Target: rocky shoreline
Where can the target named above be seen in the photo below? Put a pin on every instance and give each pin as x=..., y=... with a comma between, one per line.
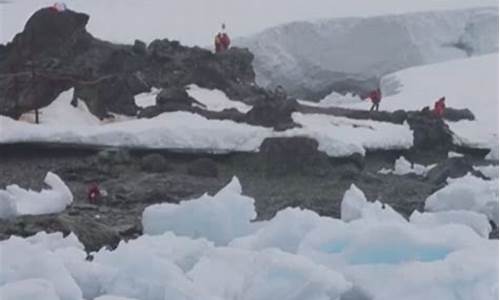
x=136, y=179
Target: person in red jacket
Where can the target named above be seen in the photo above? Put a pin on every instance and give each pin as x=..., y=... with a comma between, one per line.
x=439, y=107
x=93, y=193
x=375, y=96
x=222, y=41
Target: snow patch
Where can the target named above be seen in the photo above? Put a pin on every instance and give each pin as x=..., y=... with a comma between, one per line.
x=216, y=100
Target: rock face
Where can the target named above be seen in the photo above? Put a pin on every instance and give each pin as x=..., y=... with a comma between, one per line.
x=203, y=167
x=93, y=234
x=429, y=132
x=55, y=53
x=298, y=155
x=271, y=110
x=454, y=167
x=154, y=163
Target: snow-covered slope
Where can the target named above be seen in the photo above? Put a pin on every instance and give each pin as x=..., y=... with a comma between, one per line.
x=466, y=83
x=64, y=124
x=308, y=57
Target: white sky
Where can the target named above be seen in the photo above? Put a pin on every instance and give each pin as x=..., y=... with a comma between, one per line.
x=195, y=21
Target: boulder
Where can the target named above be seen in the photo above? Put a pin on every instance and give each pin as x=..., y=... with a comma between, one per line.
x=297, y=155
x=108, y=94
x=93, y=234
x=454, y=167
x=429, y=132
x=154, y=163
x=203, y=167
x=270, y=111
x=175, y=96
x=140, y=47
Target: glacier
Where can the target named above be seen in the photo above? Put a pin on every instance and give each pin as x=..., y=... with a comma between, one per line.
x=310, y=59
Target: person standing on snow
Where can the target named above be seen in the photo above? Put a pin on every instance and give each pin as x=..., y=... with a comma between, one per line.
x=222, y=41
x=439, y=107
x=375, y=96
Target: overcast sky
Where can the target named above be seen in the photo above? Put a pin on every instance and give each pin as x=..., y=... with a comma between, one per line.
x=195, y=21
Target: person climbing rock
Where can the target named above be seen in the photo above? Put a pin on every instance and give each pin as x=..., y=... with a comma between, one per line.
x=222, y=41
x=375, y=96
x=439, y=107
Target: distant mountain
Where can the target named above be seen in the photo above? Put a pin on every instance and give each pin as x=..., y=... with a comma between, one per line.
x=310, y=59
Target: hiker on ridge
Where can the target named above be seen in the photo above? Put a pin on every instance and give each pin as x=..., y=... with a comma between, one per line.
x=222, y=40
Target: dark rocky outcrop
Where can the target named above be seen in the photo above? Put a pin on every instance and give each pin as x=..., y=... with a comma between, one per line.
x=397, y=117
x=269, y=110
x=93, y=234
x=203, y=167
x=154, y=163
x=454, y=167
x=298, y=155
x=55, y=52
x=429, y=132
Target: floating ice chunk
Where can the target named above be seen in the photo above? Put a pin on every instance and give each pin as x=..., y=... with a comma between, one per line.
x=467, y=193
x=111, y=297
x=352, y=204
x=271, y=274
x=29, y=289
x=29, y=202
x=219, y=219
x=355, y=206
x=21, y=260
x=478, y=222
x=285, y=231
x=54, y=241
x=403, y=167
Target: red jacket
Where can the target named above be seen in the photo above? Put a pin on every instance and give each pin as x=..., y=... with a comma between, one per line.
x=93, y=193
x=222, y=42
x=375, y=96
x=439, y=107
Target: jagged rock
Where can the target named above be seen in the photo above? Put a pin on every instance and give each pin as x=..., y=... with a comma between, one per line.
x=154, y=163
x=21, y=93
x=49, y=34
x=296, y=155
x=175, y=96
x=269, y=111
x=203, y=167
x=107, y=76
x=454, y=167
x=110, y=94
x=140, y=47
x=113, y=156
x=429, y=132
x=454, y=115
x=93, y=234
